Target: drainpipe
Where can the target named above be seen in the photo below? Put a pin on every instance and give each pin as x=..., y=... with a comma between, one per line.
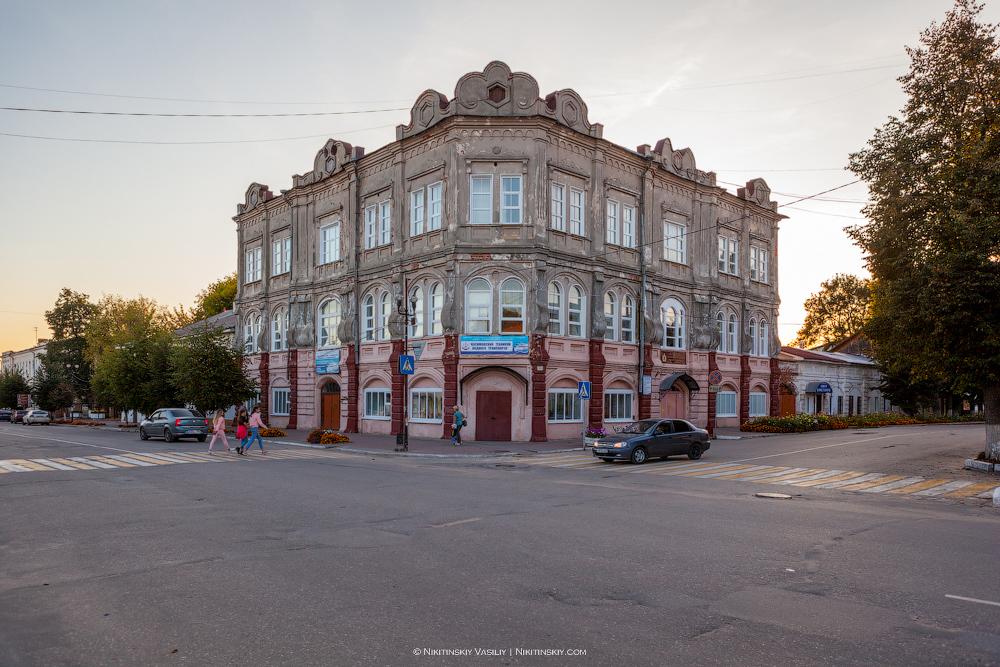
x=357, y=277
x=642, y=272
x=291, y=241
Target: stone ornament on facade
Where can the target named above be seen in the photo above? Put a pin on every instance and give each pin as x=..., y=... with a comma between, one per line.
x=256, y=195
x=330, y=159
x=758, y=192
x=303, y=333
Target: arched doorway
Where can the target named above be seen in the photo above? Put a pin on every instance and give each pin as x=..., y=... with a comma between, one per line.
x=786, y=395
x=673, y=397
x=330, y=406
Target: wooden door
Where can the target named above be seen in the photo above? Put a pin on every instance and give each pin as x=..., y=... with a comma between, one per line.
x=787, y=408
x=493, y=416
x=672, y=405
x=330, y=407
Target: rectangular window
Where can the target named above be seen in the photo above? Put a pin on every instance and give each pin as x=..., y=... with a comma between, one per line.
x=329, y=243
x=378, y=404
x=733, y=254
x=433, y=207
x=758, y=404
x=758, y=264
x=385, y=222
x=753, y=262
x=481, y=212
x=723, y=253
x=437, y=303
x=574, y=306
x=371, y=235
x=840, y=405
x=612, y=222
x=627, y=321
x=565, y=405
x=253, y=266
x=674, y=243
x=628, y=226
x=281, y=259
x=417, y=212
x=859, y=405
x=510, y=210
x=559, y=207
x=280, y=401
x=576, y=212
x=728, y=253
x=617, y=405
x=427, y=406
x=725, y=404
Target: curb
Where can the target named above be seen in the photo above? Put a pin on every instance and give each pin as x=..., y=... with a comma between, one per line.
x=982, y=466
x=383, y=452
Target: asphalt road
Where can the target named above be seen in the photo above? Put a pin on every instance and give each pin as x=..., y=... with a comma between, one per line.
x=323, y=558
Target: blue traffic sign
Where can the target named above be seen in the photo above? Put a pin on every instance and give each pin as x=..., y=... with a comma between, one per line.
x=584, y=390
x=406, y=364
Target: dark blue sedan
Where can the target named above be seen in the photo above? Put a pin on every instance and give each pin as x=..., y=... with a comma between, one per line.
x=653, y=438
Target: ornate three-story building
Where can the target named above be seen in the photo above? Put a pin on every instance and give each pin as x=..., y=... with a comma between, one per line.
x=516, y=254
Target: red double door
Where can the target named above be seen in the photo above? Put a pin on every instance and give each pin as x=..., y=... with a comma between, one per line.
x=493, y=415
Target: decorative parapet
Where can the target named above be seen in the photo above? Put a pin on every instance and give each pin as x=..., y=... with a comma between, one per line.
x=256, y=195
x=499, y=92
x=680, y=162
x=758, y=192
x=330, y=159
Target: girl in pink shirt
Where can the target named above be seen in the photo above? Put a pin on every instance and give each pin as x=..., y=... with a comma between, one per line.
x=219, y=430
x=256, y=423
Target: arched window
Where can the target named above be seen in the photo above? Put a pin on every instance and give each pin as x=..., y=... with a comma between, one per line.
x=733, y=338
x=555, y=309
x=672, y=317
x=628, y=321
x=329, y=322
x=763, y=348
x=610, y=305
x=384, y=313
x=278, y=330
x=753, y=337
x=512, y=306
x=417, y=321
x=478, y=304
x=437, y=303
x=248, y=342
x=370, y=317
x=720, y=320
x=574, y=308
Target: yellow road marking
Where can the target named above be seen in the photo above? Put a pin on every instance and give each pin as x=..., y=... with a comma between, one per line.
x=701, y=466
x=148, y=459
x=30, y=464
x=762, y=471
x=708, y=472
x=835, y=478
x=4, y=470
x=201, y=458
x=919, y=486
x=112, y=462
x=873, y=482
x=804, y=473
x=75, y=464
x=969, y=491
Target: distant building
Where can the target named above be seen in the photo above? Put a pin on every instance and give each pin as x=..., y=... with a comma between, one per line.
x=534, y=255
x=26, y=362
x=833, y=382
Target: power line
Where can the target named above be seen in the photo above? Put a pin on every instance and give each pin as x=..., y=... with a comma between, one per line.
x=204, y=115
x=193, y=143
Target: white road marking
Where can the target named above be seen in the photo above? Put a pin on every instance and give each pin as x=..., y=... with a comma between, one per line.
x=455, y=523
x=53, y=464
x=125, y=459
x=729, y=471
x=73, y=442
x=13, y=467
x=810, y=478
x=167, y=458
x=91, y=462
x=854, y=480
x=812, y=449
x=959, y=597
x=898, y=484
x=776, y=473
x=943, y=488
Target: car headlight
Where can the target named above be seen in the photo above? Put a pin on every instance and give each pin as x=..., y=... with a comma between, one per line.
x=621, y=444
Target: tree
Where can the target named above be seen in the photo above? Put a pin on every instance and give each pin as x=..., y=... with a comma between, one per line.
x=837, y=311
x=217, y=297
x=208, y=371
x=66, y=352
x=12, y=383
x=49, y=389
x=932, y=242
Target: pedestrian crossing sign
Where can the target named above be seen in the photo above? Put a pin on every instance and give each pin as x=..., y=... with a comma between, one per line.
x=584, y=390
x=406, y=364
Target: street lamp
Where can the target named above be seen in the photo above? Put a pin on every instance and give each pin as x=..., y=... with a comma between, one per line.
x=409, y=319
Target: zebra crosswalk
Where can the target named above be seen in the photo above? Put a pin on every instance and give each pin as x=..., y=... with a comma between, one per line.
x=843, y=480
x=148, y=460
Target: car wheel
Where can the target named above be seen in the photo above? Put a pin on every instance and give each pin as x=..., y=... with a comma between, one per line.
x=142, y=434
x=608, y=460
x=201, y=438
x=168, y=436
x=695, y=452
x=639, y=455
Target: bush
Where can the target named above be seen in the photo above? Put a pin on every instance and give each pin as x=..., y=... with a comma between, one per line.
x=595, y=431
x=802, y=423
x=321, y=437
x=272, y=433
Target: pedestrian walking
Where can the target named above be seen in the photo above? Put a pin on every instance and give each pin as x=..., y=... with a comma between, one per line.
x=456, y=429
x=219, y=431
x=240, y=422
x=255, y=425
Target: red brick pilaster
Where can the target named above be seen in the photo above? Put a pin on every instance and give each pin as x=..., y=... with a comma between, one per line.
x=539, y=392
x=712, y=366
x=449, y=360
x=775, y=388
x=398, y=391
x=265, y=378
x=351, y=366
x=595, y=414
x=293, y=388
x=646, y=400
x=744, y=388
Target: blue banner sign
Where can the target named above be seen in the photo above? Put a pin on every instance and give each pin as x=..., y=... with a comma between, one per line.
x=327, y=362
x=494, y=345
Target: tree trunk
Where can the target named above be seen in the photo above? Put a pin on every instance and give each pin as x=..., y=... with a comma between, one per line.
x=991, y=410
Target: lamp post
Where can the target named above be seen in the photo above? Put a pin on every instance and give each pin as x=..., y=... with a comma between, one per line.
x=409, y=314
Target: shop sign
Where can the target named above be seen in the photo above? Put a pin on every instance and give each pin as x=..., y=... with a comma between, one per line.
x=328, y=362
x=494, y=345
x=673, y=357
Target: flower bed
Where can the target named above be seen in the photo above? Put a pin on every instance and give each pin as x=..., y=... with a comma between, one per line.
x=321, y=437
x=272, y=433
x=803, y=423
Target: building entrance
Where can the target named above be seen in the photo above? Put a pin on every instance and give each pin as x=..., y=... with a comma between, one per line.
x=672, y=404
x=493, y=415
x=330, y=406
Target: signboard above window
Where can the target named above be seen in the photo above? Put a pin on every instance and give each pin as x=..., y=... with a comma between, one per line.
x=494, y=345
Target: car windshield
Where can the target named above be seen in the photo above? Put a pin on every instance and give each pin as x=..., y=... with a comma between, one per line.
x=639, y=427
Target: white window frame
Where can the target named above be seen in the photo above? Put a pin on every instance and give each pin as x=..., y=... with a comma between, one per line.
x=434, y=206
x=730, y=397
x=610, y=316
x=385, y=222
x=424, y=401
x=278, y=331
x=618, y=405
x=626, y=330
x=734, y=262
x=281, y=401
x=435, y=297
x=371, y=226
x=281, y=256
x=673, y=341
x=758, y=404
x=753, y=337
x=729, y=256
x=763, y=348
x=248, y=343
x=720, y=322
x=370, y=333
x=732, y=335
x=555, y=309
x=758, y=264
x=329, y=322
x=628, y=226
x=416, y=323
x=611, y=221
x=483, y=313
x=417, y=212
x=674, y=242
x=564, y=398
x=511, y=323
x=510, y=200
x=384, y=313
x=480, y=215
x=558, y=221
x=329, y=243
x=378, y=404
x=576, y=211
x=253, y=265
x=576, y=324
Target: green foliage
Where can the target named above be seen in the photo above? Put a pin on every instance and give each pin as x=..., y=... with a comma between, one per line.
x=217, y=297
x=933, y=241
x=836, y=312
x=12, y=383
x=49, y=389
x=208, y=372
x=804, y=422
x=66, y=352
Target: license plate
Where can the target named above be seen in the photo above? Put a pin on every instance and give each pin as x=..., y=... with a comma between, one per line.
x=600, y=450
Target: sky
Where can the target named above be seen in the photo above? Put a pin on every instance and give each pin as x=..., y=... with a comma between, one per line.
x=130, y=205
